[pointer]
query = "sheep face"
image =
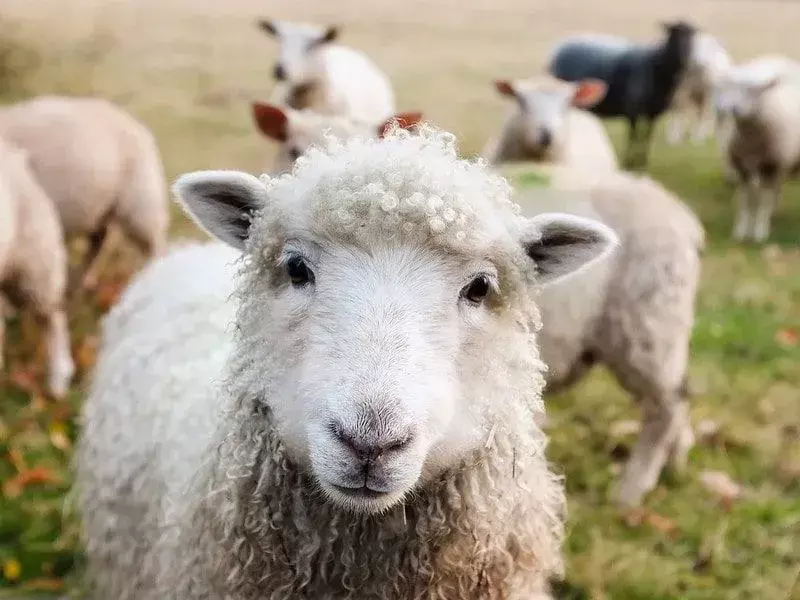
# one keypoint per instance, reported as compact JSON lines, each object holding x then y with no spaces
{"x":544,"y":105}
{"x":387,"y":303}
{"x":297,"y":62}
{"x":297,"y":131}
{"x":742,"y":97}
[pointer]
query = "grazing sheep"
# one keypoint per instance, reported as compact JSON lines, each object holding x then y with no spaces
{"x":360,"y":420}
{"x":694,"y":98}
{"x":544,"y":126}
{"x":316,"y":73}
{"x":33,"y":262}
{"x":634,"y":313}
{"x":98,"y":165}
{"x":296,"y":131}
{"x":763,"y":144}
{"x":641,"y":79}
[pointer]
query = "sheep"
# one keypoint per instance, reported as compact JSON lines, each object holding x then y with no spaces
{"x":98,"y":165}
{"x":694,"y":98}
{"x":297,"y":130}
{"x":33,"y":263}
{"x":763,"y":144}
{"x":633,"y":313}
{"x":314,"y":72}
{"x":641,"y":78}
{"x":545,"y":127}
{"x":360,"y":419}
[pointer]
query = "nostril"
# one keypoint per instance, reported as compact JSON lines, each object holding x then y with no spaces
{"x":279,"y":72}
{"x":371,"y":447}
{"x":545,"y":139}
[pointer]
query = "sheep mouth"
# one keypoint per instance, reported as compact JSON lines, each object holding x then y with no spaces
{"x":362,"y":492}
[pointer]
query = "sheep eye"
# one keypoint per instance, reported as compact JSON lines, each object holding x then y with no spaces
{"x":477,"y":290}
{"x":294,"y":153}
{"x":298,"y":271}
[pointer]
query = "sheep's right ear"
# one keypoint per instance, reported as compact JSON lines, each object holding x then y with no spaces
{"x":562,"y":244}
{"x":272,"y":121}
{"x":406,"y":120}
{"x":589,"y":92}
{"x":221,"y":202}
{"x":268,"y":27}
{"x":505,"y":87}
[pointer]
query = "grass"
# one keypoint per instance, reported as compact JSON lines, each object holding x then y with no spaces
{"x":187,"y":69}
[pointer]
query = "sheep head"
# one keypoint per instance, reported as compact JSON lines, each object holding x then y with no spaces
{"x":299,"y":43}
{"x":387,"y":315}
{"x":543,"y":104}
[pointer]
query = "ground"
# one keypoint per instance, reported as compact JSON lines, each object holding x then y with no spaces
{"x":188,"y":68}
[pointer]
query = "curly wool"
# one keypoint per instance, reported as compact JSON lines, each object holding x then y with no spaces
{"x":253,"y":523}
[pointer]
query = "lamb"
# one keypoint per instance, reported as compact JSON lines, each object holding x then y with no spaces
{"x":694,"y":98}
{"x":33,"y":262}
{"x":544,"y":126}
{"x":98,"y":165}
{"x":641,"y":78}
{"x":763,"y":145}
{"x":360,"y":420}
{"x":633,"y":313}
{"x":296,"y":131}
{"x":316,"y":73}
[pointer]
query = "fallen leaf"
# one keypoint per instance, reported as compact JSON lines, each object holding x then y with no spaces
{"x":38,"y":403}
{"x":108,"y":293}
{"x":58,"y":436}
{"x":16,"y":459}
{"x":722,"y":485}
{"x":44,"y":584}
{"x":786,"y":337}
{"x":12,"y":569}
{"x":636,"y":517}
{"x":86,"y":353}
{"x":14,"y":486}
{"x":25,"y":380}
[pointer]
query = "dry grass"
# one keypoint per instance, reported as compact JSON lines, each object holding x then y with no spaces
{"x":188,"y":68}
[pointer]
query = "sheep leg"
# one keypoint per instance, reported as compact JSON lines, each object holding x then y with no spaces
{"x":746,"y":194}
{"x":90,"y":265}
{"x":706,"y":121}
{"x":767,"y":202}
{"x":630,"y":152}
{"x":676,"y":127}
{"x":60,"y":365}
{"x":662,"y":423}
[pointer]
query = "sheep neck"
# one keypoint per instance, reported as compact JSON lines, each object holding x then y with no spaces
{"x":455,"y":538}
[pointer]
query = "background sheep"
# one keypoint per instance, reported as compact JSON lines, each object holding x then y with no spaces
{"x":98,"y":165}
{"x":296,"y":131}
{"x":763,"y":145}
{"x":693,"y":101}
{"x":316,"y":73}
{"x":384,"y":306}
{"x":641,"y":79}
{"x":545,"y":127}
{"x":33,"y":262}
{"x":633,"y":313}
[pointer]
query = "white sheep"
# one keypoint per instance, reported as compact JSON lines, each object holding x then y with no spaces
{"x":547,"y":125}
{"x":297,"y":130}
{"x":315,"y":72}
{"x":633,"y":313}
{"x":98,"y":164}
{"x":33,"y":262}
{"x":694,"y":98}
{"x":762,"y":146}
{"x":360,"y":419}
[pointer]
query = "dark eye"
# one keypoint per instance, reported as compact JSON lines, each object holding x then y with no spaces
{"x":294,"y":153}
{"x":298,"y":271}
{"x":477,"y":290}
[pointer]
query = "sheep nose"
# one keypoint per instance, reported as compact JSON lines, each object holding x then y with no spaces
{"x":279,"y":72}
{"x":369,"y":448}
{"x":545,"y":139}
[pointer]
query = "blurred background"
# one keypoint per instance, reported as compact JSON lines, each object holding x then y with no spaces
{"x":189,"y":69}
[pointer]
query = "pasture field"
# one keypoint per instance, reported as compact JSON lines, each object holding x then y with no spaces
{"x":188,"y":68}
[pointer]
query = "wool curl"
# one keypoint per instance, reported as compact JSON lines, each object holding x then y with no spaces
{"x":253,"y":524}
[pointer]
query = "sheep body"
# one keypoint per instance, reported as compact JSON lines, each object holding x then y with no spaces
{"x":329,"y":78}
{"x":694,"y":98}
{"x":633,"y":313}
{"x":545,"y":127}
{"x":641,"y":79}
{"x":97,"y":164}
{"x":33,"y":262}
{"x":762,"y":145}
{"x":246,"y":512}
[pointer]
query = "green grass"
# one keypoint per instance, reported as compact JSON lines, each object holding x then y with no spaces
{"x":745,"y":363}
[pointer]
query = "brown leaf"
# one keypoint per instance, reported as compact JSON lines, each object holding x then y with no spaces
{"x":636,"y":517}
{"x":58,"y":436}
{"x":25,"y":380}
{"x":787,"y":338}
{"x":108,"y":293}
{"x":16,"y":485}
{"x":44,"y":584}
{"x":86,"y":353}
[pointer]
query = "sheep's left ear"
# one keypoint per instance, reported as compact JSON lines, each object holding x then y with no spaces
{"x":588,"y":93}
{"x":406,"y":120}
{"x":221,"y":202}
{"x":330,"y":35}
{"x":562,"y":244}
